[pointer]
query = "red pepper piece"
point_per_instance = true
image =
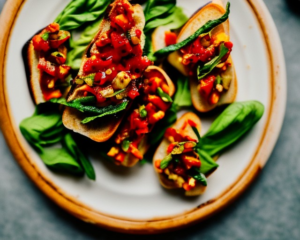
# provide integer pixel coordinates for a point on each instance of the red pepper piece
(53, 27)
(54, 94)
(120, 157)
(207, 84)
(190, 161)
(158, 102)
(133, 93)
(135, 152)
(40, 44)
(214, 97)
(171, 147)
(47, 67)
(142, 131)
(63, 71)
(170, 38)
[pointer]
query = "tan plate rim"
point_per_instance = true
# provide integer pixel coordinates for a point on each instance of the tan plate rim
(79, 210)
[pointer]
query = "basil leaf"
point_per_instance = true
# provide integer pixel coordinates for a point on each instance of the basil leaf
(156, 135)
(197, 175)
(235, 121)
(183, 96)
(78, 47)
(89, 99)
(207, 163)
(166, 161)
(80, 12)
(43, 128)
(71, 146)
(207, 27)
(204, 70)
(60, 160)
(90, 109)
(109, 110)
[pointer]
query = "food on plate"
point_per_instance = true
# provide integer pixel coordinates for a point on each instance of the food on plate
(131, 141)
(111, 71)
(45, 60)
(176, 161)
(202, 52)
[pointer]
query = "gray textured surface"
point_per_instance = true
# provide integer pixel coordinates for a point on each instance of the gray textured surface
(269, 209)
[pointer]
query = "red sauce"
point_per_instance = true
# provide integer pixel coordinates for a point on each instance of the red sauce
(49, 44)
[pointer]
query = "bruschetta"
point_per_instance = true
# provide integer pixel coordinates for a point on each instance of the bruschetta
(111, 69)
(176, 162)
(45, 61)
(211, 85)
(131, 141)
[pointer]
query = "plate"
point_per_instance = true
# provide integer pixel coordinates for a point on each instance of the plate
(132, 200)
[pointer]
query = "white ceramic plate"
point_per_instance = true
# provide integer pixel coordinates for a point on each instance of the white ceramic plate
(127, 199)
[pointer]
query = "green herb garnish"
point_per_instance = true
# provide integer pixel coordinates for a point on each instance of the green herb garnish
(165, 162)
(45, 36)
(125, 145)
(204, 70)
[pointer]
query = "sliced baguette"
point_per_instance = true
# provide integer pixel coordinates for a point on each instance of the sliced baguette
(161, 153)
(144, 145)
(209, 12)
(103, 129)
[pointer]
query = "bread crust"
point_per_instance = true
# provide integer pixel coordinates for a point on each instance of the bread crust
(103, 129)
(161, 153)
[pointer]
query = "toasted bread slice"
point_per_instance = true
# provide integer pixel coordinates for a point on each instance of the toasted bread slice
(161, 153)
(209, 12)
(103, 129)
(144, 145)
(34, 74)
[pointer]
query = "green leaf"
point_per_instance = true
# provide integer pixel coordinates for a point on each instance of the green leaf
(161, 13)
(78, 47)
(43, 128)
(45, 36)
(165, 97)
(80, 12)
(235, 121)
(208, 165)
(104, 111)
(109, 110)
(183, 96)
(195, 130)
(207, 27)
(166, 161)
(204, 70)
(197, 175)
(156, 135)
(60, 160)
(71, 146)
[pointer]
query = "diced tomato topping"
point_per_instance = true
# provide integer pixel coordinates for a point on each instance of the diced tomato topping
(53, 27)
(170, 38)
(190, 161)
(52, 94)
(40, 44)
(47, 67)
(207, 84)
(120, 157)
(138, 33)
(96, 65)
(133, 93)
(214, 97)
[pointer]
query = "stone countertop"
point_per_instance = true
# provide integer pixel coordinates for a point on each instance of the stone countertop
(269, 209)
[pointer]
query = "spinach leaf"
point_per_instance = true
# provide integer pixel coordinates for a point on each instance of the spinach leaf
(183, 96)
(59, 159)
(107, 111)
(206, 28)
(73, 149)
(207, 163)
(78, 47)
(156, 135)
(112, 109)
(80, 12)
(156, 8)
(204, 70)
(232, 124)
(43, 128)
(161, 13)
(197, 175)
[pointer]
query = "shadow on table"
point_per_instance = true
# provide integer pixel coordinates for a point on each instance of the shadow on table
(294, 6)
